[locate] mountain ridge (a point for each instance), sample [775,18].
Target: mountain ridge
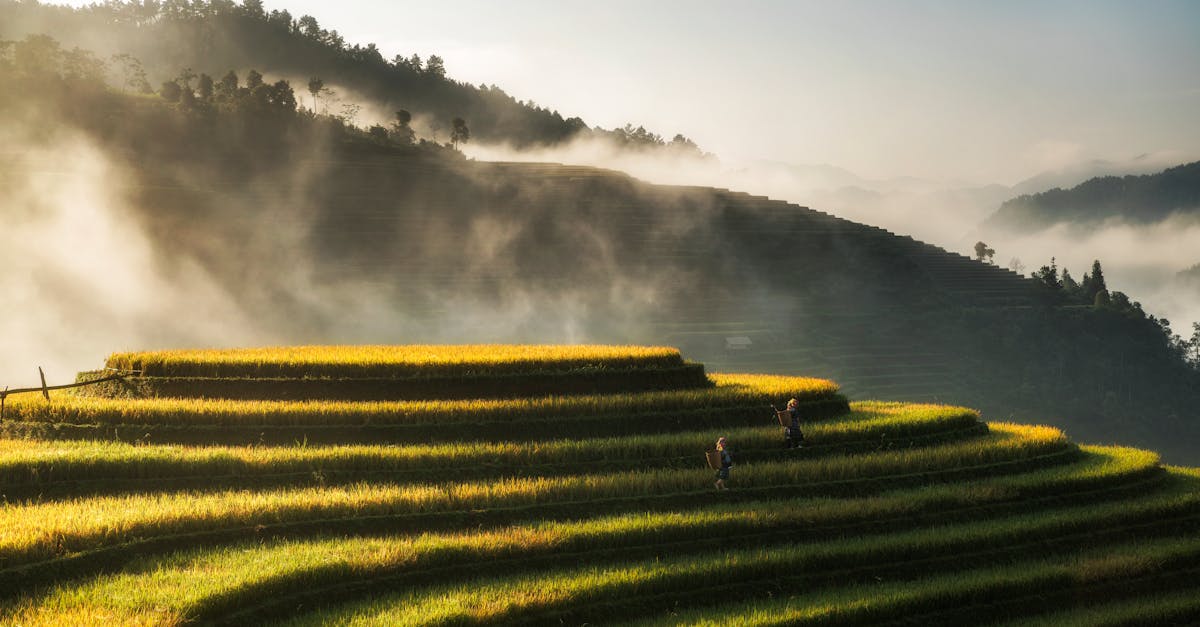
[1137,199]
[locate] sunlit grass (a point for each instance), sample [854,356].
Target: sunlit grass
[39,531]
[391,361]
[904,599]
[185,584]
[527,596]
[755,392]
[23,461]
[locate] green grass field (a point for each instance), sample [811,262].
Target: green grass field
[578,509]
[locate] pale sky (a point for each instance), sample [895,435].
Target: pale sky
[982,92]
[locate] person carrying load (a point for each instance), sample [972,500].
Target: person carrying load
[721,461]
[789,419]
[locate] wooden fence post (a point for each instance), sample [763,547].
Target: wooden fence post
[45,391]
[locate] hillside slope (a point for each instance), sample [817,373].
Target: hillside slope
[520,251]
[580,507]
[235,215]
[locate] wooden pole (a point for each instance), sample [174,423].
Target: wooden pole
[114,377]
[45,390]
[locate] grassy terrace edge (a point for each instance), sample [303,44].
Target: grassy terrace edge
[30,468]
[731,401]
[460,386]
[278,577]
[34,533]
[390,362]
[600,590]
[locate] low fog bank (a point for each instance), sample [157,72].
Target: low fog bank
[98,259]
[1144,261]
[1141,261]
[81,278]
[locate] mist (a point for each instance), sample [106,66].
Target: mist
[91,269]
[1140,260]
[81,277]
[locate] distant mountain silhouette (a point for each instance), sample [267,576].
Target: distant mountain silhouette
[1135,199]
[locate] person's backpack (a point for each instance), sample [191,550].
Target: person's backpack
[714,459]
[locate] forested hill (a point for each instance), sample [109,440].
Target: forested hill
[269,221]
[151,42]
[1135,199]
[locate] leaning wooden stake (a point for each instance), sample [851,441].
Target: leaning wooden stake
[45,390]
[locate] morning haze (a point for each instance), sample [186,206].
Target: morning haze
[575,313]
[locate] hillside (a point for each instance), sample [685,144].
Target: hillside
[583,506]
[1134,199]
[260,220]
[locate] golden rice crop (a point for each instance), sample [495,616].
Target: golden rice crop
[185,583]
[734,390]
[899,600]
[583,588]
[391,361]
[37,531]
[42,462]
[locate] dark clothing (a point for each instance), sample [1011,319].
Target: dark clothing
[794,436]
[726,463]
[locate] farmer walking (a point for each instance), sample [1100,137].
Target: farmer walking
[794,437]
[726,462]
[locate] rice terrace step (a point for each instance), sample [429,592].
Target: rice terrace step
[561,485]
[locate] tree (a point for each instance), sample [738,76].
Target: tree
[37,56]
[1015,265]
[185,78]
[435,67]
[315,85]
[982,250]
[1192,354]
[1048,275]
[1093,283]
[459,134]
[402,132]
[227,89]
[309,27]
[683,145]
[204,87]
[253,8]
[349,112]
[378,133]
[253,80]
[282,96]
[170,91]
[82,65]
[132,73]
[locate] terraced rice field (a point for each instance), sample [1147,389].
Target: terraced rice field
[588,507]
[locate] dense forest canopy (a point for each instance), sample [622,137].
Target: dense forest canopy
[168,39]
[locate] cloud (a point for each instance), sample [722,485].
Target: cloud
[81,277]
[1054,154]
